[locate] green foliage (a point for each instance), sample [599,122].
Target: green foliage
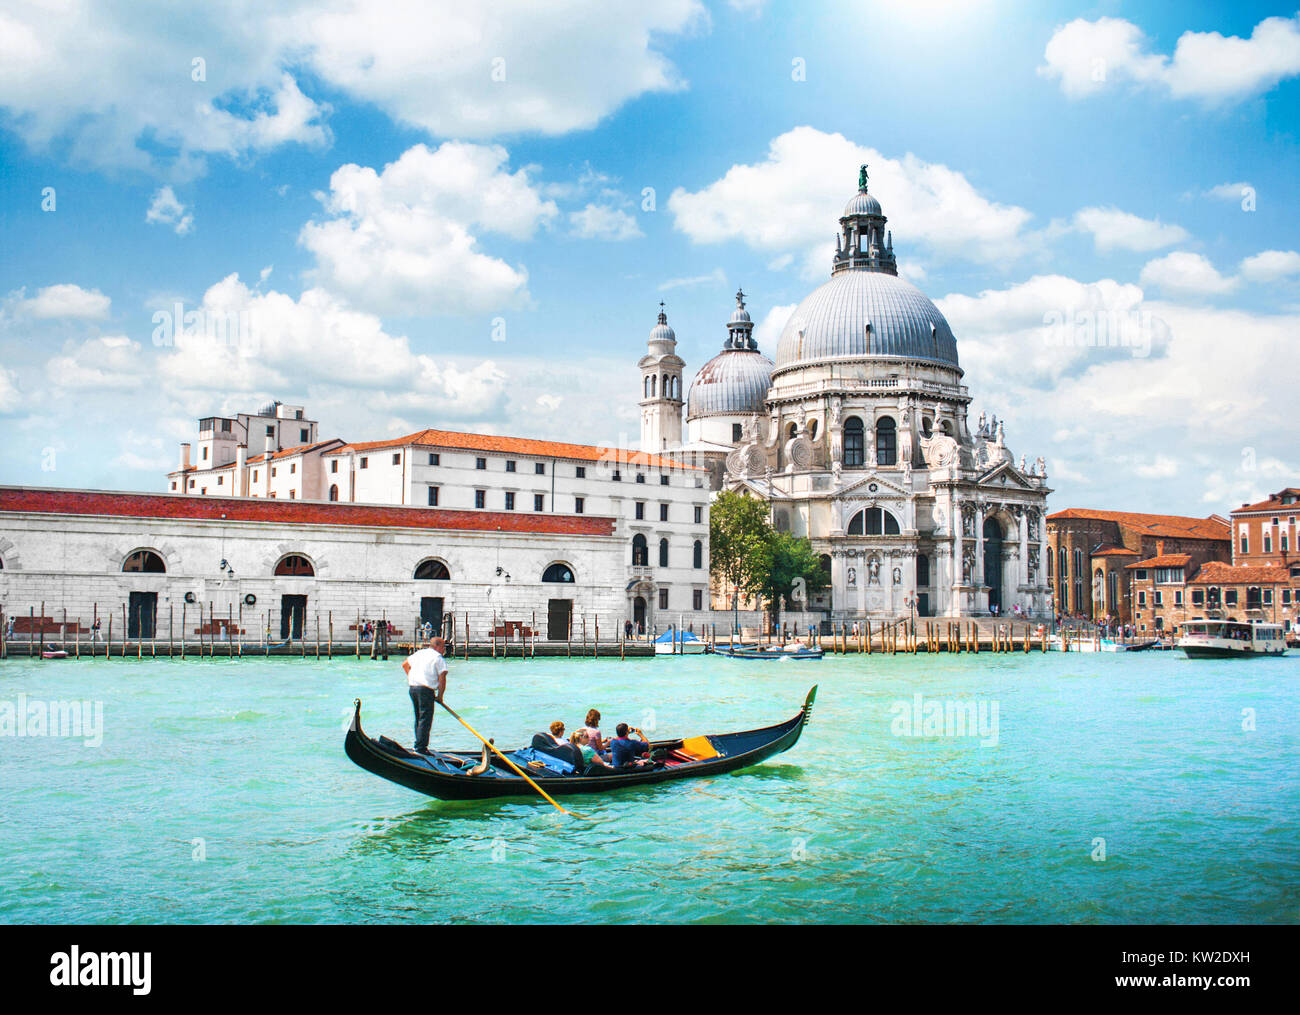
[791,558]
[748,554]
[739,541]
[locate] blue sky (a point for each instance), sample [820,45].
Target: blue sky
[430,215]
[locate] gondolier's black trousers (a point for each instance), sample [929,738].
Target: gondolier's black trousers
[423,700]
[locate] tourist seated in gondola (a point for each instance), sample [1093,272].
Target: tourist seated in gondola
[581,741]
[626,752]
[593,732]
[556,745]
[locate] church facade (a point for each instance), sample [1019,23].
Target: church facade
[857,436]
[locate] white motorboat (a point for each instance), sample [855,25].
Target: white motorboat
[1228,639]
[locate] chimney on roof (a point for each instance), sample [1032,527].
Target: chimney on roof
[185,455]
[238,480]
[1160,547]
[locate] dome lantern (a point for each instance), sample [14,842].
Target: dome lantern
[863,244]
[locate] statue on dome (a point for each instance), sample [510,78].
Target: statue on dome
[862,177]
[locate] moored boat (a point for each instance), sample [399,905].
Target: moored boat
[792,650]
[676,643]
[1229,639]
[476,775]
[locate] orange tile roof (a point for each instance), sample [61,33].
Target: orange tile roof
[1216,572]
[520,446]
[1167,560]
[1111,550]
[1170,526]
[298,449]
[1274,503]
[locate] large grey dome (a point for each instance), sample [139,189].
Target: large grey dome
[832,323]
[733,383]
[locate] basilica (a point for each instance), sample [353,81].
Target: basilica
[858,438]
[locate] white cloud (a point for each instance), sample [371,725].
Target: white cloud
[1050,327]
[604,222]
[717,277]
[1114,229]
[400,241]
[11,399]
[1137,431]
[480,70]
[790,203]
[317,342]
[1230,191]
[111,362]
[166,209]
[109,84]
[1271,265]
[1161,467]
[1186,274]
[1087,56]
[65,300]
[767,332]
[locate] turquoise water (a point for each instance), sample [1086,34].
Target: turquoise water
[1200,818]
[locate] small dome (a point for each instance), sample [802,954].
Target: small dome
[733,383]
[661,332]
[740,316]
[862,203]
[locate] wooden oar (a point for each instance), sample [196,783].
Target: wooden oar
[523,775]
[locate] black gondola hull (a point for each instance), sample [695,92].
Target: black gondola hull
[437,777]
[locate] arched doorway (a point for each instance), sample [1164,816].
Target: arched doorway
[993,562]
[638,613]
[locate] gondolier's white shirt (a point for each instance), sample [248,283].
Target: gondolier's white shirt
[427,665]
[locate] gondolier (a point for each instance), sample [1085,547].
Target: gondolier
[426,679]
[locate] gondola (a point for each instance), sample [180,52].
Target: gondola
[450,775]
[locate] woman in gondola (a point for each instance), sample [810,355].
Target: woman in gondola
[582,743]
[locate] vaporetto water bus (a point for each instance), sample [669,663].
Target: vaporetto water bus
[1217,639]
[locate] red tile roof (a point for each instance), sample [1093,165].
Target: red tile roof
[297,449]
[1170,526]
[289,512]
[519,446]
[1167,560]
[1274,503]
[1216,572]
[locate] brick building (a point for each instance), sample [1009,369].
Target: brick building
[1090,553]
[1166,594]
[1265,533]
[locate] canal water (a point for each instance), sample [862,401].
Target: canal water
[1076,788]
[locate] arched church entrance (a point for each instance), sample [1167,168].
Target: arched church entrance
[993,562]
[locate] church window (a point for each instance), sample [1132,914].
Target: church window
[736,435]
[663,553]
[812,430]
[640,551]
[886,441]
[873,522]
[697,554]
[927,427]
[853,443]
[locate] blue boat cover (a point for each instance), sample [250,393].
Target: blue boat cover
[667,638]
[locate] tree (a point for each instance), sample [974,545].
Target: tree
[740,544]
[790,558]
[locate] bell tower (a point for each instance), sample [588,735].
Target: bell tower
[661,389]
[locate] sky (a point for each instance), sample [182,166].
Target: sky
[465,216]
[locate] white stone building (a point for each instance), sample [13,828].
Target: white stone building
[663,501]
[162,565]
[858,438]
